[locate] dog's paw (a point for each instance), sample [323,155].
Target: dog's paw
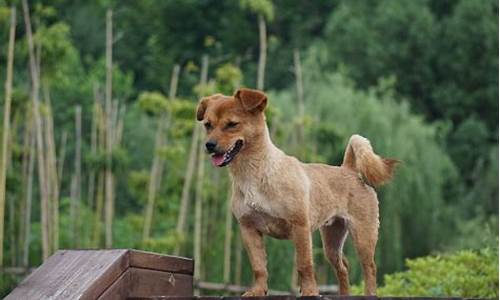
[255,292]
[309,291]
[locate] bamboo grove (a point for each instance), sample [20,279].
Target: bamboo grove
[100,148]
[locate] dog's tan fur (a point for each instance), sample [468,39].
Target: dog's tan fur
[277,195]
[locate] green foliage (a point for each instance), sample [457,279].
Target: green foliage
[153,103]
[138,184]
[228,77]
[468,274]
[261,7]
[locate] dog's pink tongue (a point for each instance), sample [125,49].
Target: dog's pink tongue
[217,159]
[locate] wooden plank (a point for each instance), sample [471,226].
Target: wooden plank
[274,297]
[149,283]
[108,277]
[69,275]
[285,297]
[120,289]
[167,263]
[337,297]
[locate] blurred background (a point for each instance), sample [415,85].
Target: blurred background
[100,148]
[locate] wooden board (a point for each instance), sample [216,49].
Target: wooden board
[149,260]
[68,275]
[145,283]
[290,297]
[107,274]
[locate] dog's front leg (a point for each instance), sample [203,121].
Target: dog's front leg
[302,239]
[256,251]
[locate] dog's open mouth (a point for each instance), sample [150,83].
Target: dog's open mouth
[223,159]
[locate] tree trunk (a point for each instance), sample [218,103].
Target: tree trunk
[263,53]
[39,141]
[108,219]
[6,125]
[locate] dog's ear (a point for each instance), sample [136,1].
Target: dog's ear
[202,107]
[251,100]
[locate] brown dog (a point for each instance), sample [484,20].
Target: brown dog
[277,195]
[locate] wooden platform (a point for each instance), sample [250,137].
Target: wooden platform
[130,274]
[107,274]
[289,297]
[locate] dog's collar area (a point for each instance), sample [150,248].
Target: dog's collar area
[223,159]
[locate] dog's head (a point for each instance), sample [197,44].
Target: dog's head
[232,123]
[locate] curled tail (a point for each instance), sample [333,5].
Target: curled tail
[359,157]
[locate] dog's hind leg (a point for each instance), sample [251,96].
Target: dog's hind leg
[333,236]
[364,235]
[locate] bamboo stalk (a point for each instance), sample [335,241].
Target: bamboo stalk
[101,134]
[181,221]
[76,199]
[62,158]
[262,52]
[24,176]
[199,198]
[172,92]
[300,93]
[93,149]
[119,126]
[29,192]
[108,219]
[51,167]
[6,124]
[152,183]
[227,240]
[39,141]
[239,249]
[156,172]
[198,211]
[11,200]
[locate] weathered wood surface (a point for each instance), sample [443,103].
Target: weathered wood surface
[70,274]
[290,297]
[149,260]
[107,274]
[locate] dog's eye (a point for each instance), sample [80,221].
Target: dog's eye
[208,126]
[231,124]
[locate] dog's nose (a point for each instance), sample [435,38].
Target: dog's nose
[210,145]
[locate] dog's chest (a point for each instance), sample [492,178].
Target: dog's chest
[256,207]
[253,199]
